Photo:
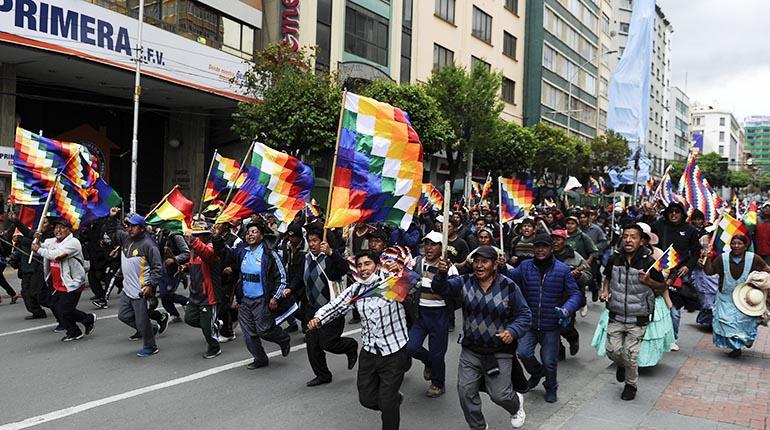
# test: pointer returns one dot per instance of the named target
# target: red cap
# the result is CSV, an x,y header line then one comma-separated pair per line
x,y
560,233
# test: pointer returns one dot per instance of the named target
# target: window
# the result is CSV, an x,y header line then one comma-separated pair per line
x,y
366,34
509,45
509,91
237,39
624,27
548,56
722,121
445,9
721,136
442,57
476,60
721,150
605,24
482,25
602,119
512,5
603,86
406,43
323,36
698,120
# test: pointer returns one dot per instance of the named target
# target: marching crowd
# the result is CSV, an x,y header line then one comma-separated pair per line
x,y
519,286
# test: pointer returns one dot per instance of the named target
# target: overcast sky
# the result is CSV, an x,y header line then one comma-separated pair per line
x,y
723,49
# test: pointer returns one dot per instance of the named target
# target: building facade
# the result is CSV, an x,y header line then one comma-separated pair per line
x,y
719,132
562,71
658,127
757,131
678,141
68,71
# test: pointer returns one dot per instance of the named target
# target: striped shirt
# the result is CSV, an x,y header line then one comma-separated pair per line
x,y
383,321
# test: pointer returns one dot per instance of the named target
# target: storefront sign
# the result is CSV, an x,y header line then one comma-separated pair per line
x,y
84,30
290,23
6,160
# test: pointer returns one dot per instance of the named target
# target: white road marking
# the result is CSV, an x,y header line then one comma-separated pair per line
x,y
40,327
72,410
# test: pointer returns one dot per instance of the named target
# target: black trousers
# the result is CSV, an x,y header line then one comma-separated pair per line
x,y
225,310
570,333
328,338
30,287
379,379
5,285
65,307
95,278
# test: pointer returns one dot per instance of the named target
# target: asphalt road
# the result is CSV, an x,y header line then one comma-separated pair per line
x,y
99,383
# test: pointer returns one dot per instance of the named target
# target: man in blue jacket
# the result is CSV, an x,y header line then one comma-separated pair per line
x,y
553,296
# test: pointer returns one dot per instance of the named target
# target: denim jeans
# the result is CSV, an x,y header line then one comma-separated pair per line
x,y
676,317
549,354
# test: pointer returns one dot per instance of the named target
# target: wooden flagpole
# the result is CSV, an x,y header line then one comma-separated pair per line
x,y
500,211
45,211
160,202
334,162
203,193
240,172
445,213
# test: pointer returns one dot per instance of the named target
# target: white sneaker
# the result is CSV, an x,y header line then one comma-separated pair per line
x,y
225,339
517,419
584,311
674,347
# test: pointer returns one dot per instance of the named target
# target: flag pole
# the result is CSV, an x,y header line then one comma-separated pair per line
x,y
43,214
334,163
203,193
240,172
160,202
500,211
445,223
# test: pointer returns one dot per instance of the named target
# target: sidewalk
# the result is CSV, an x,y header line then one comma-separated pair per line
x,y
698,387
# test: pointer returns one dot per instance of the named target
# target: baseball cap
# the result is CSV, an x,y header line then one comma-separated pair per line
x,y
136,219
434,237
486,251
62,222
561,233
542,239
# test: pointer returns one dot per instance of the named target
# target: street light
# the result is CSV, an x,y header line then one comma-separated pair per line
x,y
569,92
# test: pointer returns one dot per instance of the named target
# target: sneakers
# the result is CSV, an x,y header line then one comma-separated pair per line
x,y
674,347
225,339
735,353
69,338
620,374
584,311
434,391
574,348
212,353
135,336
517,419
59,329
163,323
155,329
175,319
629,392
100,303
352,359
256,364
286,349
317,381
35,317
533,381
550,396
147,351
90,326
426,373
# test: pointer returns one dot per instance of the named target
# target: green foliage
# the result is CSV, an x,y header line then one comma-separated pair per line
x,y
470,102
763,182
739,178
711,164
558,154
511,151
426,117
609,151
297,110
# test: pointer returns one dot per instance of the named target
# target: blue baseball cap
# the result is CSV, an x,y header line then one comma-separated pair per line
x,y
136,219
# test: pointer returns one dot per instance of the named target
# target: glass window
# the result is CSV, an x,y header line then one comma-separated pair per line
x,y
624,26
445,9
603,86
509,44
605,23
721,136
509,91
722,121
512,5
323,36
366,34
482,25
548,55
476,60
406,43
442,57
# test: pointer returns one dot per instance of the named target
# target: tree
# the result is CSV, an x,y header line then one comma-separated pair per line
x,y
510,152
739,178
609,151
711,164
558,154
424,113
764,182
295,110
470,102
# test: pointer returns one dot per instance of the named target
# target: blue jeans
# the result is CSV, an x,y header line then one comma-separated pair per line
x,y
432,323
168,295
549,354
676,317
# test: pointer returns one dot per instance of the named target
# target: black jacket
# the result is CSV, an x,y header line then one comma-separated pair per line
x,y
683,236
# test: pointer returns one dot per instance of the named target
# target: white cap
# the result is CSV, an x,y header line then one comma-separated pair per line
x,y
440,218
434,237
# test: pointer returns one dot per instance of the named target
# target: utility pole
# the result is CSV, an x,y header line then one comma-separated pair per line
x,y
137,93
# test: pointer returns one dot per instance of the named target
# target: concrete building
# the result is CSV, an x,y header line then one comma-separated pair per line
x,y
678,141
757,131
719,132
67,70
658,126
605,59
405,40
563,49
